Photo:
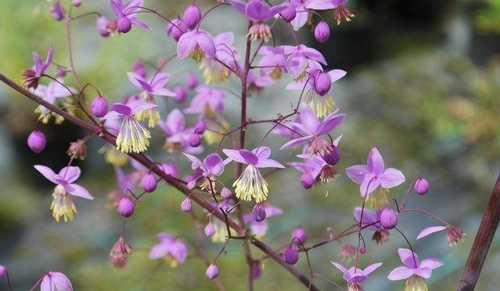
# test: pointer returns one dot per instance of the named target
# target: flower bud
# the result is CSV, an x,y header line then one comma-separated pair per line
x,y
256,270
210,229
291,255
3,271
332,157
99,106
322,83
299,235
181,94
288,14
77,3
192,16
126,207
36,141
176,29
149,183
226,193
119,253
389,218
212,272
77,149
124,24
307,181
186,205
170,169
194,140
200,127
139,68
58,11
421,186
259,213
192,81
322,32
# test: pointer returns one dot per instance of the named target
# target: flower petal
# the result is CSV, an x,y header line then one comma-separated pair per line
x,y
159,251
235,156
214,164
268,163
370,183
330,123
409,258
336,75
357,173
391,178
430,230
339,266
401,273
371,268
431,263
70,174
262,152
375,162
296,142
48,173
77,190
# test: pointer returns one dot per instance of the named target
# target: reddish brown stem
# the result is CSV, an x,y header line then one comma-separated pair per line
x,y
482,242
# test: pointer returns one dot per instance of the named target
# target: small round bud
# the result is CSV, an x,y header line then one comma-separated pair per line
x,y
288,14
126,207
181,94
176,29
226,193
192,81
389,218
3,271
187,205
200,127
307,181
210,229
77,3
58,11
192,16
299,235
332,157
124,24
77,149
99,106
322,32
36,141
149,183
291,256
322,83
259,213
421,186
194,140
212,272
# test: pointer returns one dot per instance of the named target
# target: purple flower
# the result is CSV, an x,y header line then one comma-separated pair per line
x,y
51,93
36,141
371,221
354,276
322,32
273,61
174,250
176,28
178,134
192,15
105,27
212,272
57,11
421,186
33,75
251,185
258,11
374,175
213,70
155,86
132,137
196,44
311,169
207,101
62,205
126,207
55,281
413,269
312,130
126,14
212,166
259,228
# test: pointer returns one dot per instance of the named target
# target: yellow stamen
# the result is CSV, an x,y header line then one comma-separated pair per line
x,y
416,283
62,205
132,137
251,185
152,115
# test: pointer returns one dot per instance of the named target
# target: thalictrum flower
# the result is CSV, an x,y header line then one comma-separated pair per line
x,y
178,134
251,185
213,70
414,270
119,253
374,175
258,11
273,61
311,169
132,136
51,93
62,204
171,249
354,276
371,221
207,101
211,167
126,14
340,6
455,234
259,227
196,44
33,75
55,281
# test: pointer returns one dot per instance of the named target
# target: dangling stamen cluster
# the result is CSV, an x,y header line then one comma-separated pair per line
x,y
152,115
213,72
45,115
251,185
198,54
416,283
260,31
319,146
321,105
62,205
132,137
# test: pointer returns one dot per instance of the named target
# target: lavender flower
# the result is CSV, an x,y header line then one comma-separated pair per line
x,y
211,167
212,272
192,15
207,101
62,205
51,93
354,276
119,253
273,62
455,234
258,12
175,251
196,44
259,227
126,14
176,28
178,134
251,185
374,175
32,76
57,11
55,281
213,70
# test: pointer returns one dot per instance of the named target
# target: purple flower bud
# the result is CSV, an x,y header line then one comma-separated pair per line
x,y
139,68
200,127
58,11
176,29
291,255
192,81
186,205
194,140
299,235
3,271
322,83
259,213
126,207
99,106
170,169
256,270
389,218
149,183
210,229
322,32
332,157
181,94
36,141
226,193
124,24
77,3
289,13
212,272
192,16
307,181
61,71
421,186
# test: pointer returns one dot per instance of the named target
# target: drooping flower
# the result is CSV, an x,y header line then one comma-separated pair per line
x,y
212,272
62,204
132,136
302,59
355,277
58,11
51,93
259,227
196,44
212,166
371,221
312,168
119,253
208,101
312,131
55,281
258,11
215,70
171,249
126,15
251,185
374,175
178,134
454,234
105,27
32,76
273,62
414,271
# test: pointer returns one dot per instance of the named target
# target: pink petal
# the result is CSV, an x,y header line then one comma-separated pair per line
x,y
369,185
401,273
186,45
79,191
268,163
375,162
425,273
330,123
409,258
235,156
430,230
391,178
300,19
158,251
48,173
70,174
262,152
133,78
336,75
357,173
320,4
296,142
339,266
431,263
371,268
195,162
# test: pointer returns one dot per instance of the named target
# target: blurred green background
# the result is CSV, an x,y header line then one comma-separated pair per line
x,y
423,86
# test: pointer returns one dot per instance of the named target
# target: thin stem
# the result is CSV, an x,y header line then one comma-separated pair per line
x,y
70,48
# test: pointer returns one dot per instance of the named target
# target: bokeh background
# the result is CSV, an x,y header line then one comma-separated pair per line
x,y
423,86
